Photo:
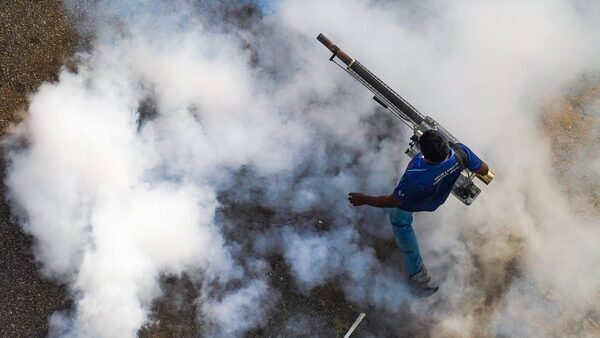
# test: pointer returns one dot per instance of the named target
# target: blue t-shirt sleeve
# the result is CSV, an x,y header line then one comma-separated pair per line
x,y
474,162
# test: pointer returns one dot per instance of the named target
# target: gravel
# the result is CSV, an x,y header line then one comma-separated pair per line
x,y
35,41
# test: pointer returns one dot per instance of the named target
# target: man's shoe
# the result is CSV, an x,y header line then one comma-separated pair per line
x,y
421,277
421,284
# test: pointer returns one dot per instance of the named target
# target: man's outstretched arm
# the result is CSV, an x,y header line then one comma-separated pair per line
x,y
385,201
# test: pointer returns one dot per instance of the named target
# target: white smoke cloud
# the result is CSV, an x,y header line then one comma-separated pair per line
x,y
115,199
114,204
239,311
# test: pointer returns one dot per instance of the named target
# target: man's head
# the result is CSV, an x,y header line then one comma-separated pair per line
x,y
434,146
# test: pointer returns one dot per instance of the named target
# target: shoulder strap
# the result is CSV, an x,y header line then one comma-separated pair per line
x,y
461,156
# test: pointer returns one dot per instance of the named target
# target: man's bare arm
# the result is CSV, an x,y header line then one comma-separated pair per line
x,y
385,201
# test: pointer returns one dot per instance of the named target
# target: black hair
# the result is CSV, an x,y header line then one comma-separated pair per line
x,y
434,146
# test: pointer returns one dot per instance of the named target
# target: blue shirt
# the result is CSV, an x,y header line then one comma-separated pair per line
x,y
425,186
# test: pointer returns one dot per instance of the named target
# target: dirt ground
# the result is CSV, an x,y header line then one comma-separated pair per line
x,y
573,129
36,40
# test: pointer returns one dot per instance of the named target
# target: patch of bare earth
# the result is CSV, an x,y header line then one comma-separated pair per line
x,y
35,40
572,124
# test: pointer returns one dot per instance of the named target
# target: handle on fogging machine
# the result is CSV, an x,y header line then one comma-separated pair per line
x,y
488,177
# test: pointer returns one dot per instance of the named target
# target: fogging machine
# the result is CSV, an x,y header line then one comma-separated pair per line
x,y
464,188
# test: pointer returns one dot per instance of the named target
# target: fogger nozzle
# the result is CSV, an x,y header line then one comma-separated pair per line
x,y
335,49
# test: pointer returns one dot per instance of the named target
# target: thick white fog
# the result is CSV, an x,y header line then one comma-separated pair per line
x,y
179,109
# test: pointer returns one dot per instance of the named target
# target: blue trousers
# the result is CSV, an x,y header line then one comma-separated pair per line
x,y
407,241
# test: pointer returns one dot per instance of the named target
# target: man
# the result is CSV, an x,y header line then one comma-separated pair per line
x,y
425,185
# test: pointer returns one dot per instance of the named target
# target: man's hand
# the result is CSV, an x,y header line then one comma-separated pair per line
x,y
483,170
357,198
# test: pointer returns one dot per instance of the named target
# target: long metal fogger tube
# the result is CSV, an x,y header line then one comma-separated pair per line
x,y
464,189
